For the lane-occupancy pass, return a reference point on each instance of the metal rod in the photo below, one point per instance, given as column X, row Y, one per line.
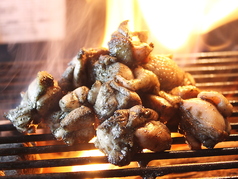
column 144, row 171
column 26, row 138
column 103, row 159
column 45, row 149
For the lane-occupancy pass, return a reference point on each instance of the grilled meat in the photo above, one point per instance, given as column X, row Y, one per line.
column 202, row 123
column 74, row 99
column 129, row 48
column 167, row 71
column 115, row 136
column 79, row 70
column 38, row 101
column 107, row 68
column 165, row 109
column 77, row 126
column 108, row 97
column 216, row 98
column 154, row 136
column 185, row 92
column 144, row 80
column 74, row 123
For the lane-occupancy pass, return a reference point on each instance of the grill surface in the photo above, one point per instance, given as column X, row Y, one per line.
column 212, row 71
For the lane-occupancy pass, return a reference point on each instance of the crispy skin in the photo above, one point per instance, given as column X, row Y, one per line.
column 79, row 70
column 167, row 71
column 76, row 126
column 115, row 136
column 74, row 123
column 38, row 101
column 220, row 101
column 107, row 67
column 109, row 97
column 128, row 47
column 74, row 99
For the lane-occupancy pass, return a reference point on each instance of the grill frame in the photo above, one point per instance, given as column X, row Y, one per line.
column 205, row 67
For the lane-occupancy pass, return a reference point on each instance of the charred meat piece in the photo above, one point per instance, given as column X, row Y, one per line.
column 77, row 126
column 130, row 48
column 41, row 97
column 24, row 118
column 154, row 136
column 79, row 70
column 74, row 99
column 107, row 67
column 145, row 81
column 202, row 123
column 54, row 119
column 106, row 88
column 165, row 110
column 115, row 136
column 109, row 97
column 74, row 123
column 167, row 71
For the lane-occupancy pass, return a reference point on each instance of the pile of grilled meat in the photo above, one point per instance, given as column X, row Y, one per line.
column 125, row 96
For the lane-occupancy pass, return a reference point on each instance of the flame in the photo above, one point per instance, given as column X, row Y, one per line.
column 173, row 25
column 91, row 167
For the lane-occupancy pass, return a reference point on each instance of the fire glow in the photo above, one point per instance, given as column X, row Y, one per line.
column 173, row 25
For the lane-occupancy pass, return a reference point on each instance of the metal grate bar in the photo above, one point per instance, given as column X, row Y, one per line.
column 47, row 137
column 46, row 149
column 26, row 138
column 147, row 172
column 103, row 159
column 65, row 148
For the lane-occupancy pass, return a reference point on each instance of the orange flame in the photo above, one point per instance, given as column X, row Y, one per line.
column 173, row 25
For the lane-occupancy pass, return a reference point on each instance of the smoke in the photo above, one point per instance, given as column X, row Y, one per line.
column 84, row 28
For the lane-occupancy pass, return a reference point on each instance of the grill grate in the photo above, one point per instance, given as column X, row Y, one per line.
column 214, row 70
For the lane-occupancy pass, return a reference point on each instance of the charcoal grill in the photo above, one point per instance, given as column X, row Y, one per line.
column 212, row 71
